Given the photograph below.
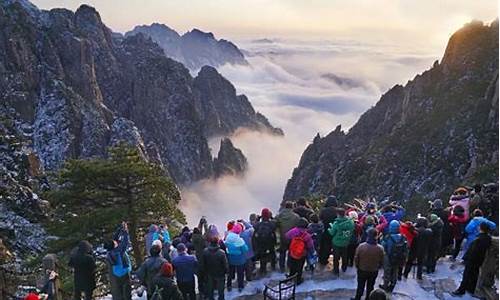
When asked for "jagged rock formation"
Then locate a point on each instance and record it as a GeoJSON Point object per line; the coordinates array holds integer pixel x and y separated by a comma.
{"type": "Point", "coordinates": [230, 160]}
{"type": "Point", "coordinates": [194, 49]}
{"type": "Point", "coordinates": [83, 88]}
{"type": "Point", "coordinates": [223, 111]}
{"type": "Point", "coordinates": [421, 139]}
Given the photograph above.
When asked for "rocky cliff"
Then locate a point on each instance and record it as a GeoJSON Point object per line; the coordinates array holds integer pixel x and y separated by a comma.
{"type": "Point", "coordinates": [194, 49]}
{"type": "Point", "coordinates": [421, 139]}
{"type": "Point", "coordinates": [82, 88]}
{"type": "Point", "coordinates": [230, 160]}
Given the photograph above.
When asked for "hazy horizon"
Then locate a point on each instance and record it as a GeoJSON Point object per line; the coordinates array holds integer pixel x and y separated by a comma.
{"type": "Point", "coordinates": [399, 22]}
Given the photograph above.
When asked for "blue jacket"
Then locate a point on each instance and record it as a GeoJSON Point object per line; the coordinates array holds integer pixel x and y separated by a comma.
{"type": "Point", "coordinates": [118, 259]}
{"type": "Point", "coordinates": [472, 229]}
{"type": "Point", "coordinates": [391, 216]}
{"type": "Point", "coordinates": [393, 237]}
{"type": "Point", "coordinates": [185, 267]}
{"type": "Point", "coordinates": [236, 249]}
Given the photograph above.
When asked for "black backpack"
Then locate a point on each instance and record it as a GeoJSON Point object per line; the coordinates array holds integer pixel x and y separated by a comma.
{"type": "Point", "coordinates": [264, 234]}
{"type": "Point", "coordinates": [399, 251]}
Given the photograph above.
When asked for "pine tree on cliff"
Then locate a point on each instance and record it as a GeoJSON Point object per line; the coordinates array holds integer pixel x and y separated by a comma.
{"type": "Point", "coordinates": [98, 194]}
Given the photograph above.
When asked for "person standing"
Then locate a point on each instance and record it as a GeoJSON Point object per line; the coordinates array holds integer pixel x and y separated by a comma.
{"type": "Point", "coordinates": [151, 266]}
{"type": "Point", "coordinates": [286, 220]}
{"type": "Point", "coordinates": [341, 231]}
{"type": "Point", "coordinates": [327, 215]}
{"type": "Point", "coordinates": [303, 209]}
{"type": "Point", "coordinates": [264, 241]}
{"type": "Point", "coordinates": [457, 221]}
{"type": "Point", "coordinates": [474, 258]}
{"type": "Point", "coordinates": [472, 228]}
{"type": "Point", "coordinates": [164, 284]}
{"type": "Point", "coordinates": [368, 259]}
{"type": "Point", "coordinates": [119, 264]}
{"type": "Point", "coordinates": [301, 244]}
{"type": "Point", "coordinates": [247, 235]}
{"type": "Point", "coordinates": [355, 238]}
{"type": "Point", "coordinates": [83, 263]}
{"type": "Point", "coordinates": [421, 242]}
{"type": "Point", "coordinates": [185, 266]}
{"type": "Point", "coordinates": [236, 256]}
{"type": "Point", "coordinates": [436, 225]}
{"type": "Point", "coordinates": [215, 267]}
{"type": "Point", "coordinates": [396, 253]}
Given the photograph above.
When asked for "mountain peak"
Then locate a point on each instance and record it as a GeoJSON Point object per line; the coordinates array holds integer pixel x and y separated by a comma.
{"type": "Point", "coordinates": [199, 33]}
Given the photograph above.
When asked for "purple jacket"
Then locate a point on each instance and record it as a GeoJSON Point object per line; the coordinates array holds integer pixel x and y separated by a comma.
{"type": "Point", "coordinates": [296, 231]}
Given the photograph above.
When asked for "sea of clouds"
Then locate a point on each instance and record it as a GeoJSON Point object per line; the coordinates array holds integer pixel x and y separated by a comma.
{"type": "Point", "coordinates": [305, 88]}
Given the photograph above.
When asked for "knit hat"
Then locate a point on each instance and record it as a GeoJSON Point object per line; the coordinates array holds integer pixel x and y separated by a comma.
{"type": "Point", "coordinates": [230, 225]}
{"type": "Point", "coordinates": [157, 243]}
{"type": "Point", "coordinates": [213, 232]}
{"type": "Point", "coordinates": [167, 270]}
{"type": "Point", "coordinates": [181, 247]}
{"type": "Point", "coordinates": [237, 228]}
{"type": "Point", "coordinates": [369, 220]}
{"type": "Point", "coordinates": [422, 222]}
{"type": "Point", "coordinates": [477, 213]}
{"type": "Point", "coordinates": [353, 215]}
{"type": "Point", "coordinates": [266, 214]}
{"type": "Point", "coordinates": [433, 218]}
{"type": "Point", "coordinates": [438, 203]}
{"type": "Point", "coordinates": [331, 201]}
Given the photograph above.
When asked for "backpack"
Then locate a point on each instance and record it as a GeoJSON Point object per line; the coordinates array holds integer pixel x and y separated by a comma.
{"type": "Point", "coordinates": [264, 234]}
{"type": "Point", "coordinates": [298, 246]}
{"type": "Point", "coordinates": [398, 252]}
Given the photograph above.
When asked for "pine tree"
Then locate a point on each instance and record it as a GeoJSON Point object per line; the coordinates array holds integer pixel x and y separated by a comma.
{"type": "Point", "coordinates": [96, 195]}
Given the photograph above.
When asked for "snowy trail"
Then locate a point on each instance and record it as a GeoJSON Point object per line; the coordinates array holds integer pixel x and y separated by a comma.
{"type": "Point", "coordinates": [322, 285]}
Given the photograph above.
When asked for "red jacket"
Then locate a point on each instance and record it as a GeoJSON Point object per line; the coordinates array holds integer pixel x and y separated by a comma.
{"type": "Point", "coordinates": [409, 232]}
{"type": "Point", "coordinates": [457, 224]}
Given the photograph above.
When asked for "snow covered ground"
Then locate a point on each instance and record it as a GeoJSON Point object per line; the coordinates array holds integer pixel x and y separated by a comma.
{"type": "Point", "coordinates": [322, 285]}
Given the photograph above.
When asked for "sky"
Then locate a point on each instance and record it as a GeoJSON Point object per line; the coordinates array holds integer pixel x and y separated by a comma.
{"type": "Point", "coordinates": [404, 21]}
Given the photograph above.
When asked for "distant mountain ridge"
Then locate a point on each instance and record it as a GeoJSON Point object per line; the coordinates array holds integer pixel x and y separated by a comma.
{"type": "Point", "coordinates": [420, 140]}
{"type": "Point", "coordinates": [194, 49]}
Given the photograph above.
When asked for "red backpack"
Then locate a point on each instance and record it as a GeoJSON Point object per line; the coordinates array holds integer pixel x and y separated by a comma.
{"type": "Point", "coordinates": [298, 246]}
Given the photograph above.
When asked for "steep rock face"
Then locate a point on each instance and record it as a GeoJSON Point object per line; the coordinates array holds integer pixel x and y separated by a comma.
{"type": "Point", "coordinates": [83, 88]}
{"type": "Point", "coordinates": [421, 139]}
{"type": "Point", "coordinates": [194, 49]}
{"type": "Point", "coordinates": [230, 160]}
{"type": "Point", "coordinates": [223, 111]}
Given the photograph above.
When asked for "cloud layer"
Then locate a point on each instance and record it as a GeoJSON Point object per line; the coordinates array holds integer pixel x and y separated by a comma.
{"type": "Point", "coordinates": [304, 87]}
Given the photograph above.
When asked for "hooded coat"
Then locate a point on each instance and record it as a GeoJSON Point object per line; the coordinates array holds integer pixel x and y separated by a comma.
{"type": "Point", "coordinates": [463, 201]}
{"type": "Point", "coordinates": [392, 238]}
{"type": "Point", "coordinates": [83, 262]}
{"type": "Point", "coordinates": [246, 235]}
{"type": "Point", "coordinates": [214, 261]}
{"type": "Point", "coordinates": [164, 282]}
{"type": "Point", "coordinates": [152, 235]}
{"type": "Point", "coordinates": [236, 249]}
{"type": "Point", "coordinates": [341, 231]}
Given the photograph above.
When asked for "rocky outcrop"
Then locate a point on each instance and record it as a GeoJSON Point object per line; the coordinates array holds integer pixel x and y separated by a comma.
{"type": "Point", "coordinates": [230, 160]}
{"type": "Point", "coordinates": [222, 111]}
{"type": "Point", "coordinates": [194, 49]}
{"type": "Point", "coordinates": [82, 89]}
{"type": "Point", "coordinates": [421, 139]}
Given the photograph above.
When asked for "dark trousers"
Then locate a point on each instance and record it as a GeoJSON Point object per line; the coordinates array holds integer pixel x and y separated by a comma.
{"type": "Point", "coordinates": [187, 290]}
{"type": "Point", "coordinates": [325, 248]}
{"type": "Point", "coordinates": [351, 250]}
{"type": "Point", "coordinates": [296, 266]}
{"type": "Point", "coordinates": [120, 287]}
{"type": "Point", "coordinates": [419, 263]}
{"type": "Point", "coordinates": [339, 253]}
{"type": "Point", "coordinates": [239, 271]}
{"type": "Point", "coordinates": [391, 273]}
{"type": "Point", "coordinates": [432, 257]}
{"type": "Point", "coordinates": [456, 248]}
{"type": "Point", "coordinates": [365, 279]}
{"type": "Point", "coordinates": [469, 279]}
{"type": "Point", "coordinates": [249, 268]}
{"type": "Point", "coordinates": [215, 283]}
{"type": "Point", "coordinates": [283, 254]}
{"type": "Point", "coordinates": [87, 294]}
